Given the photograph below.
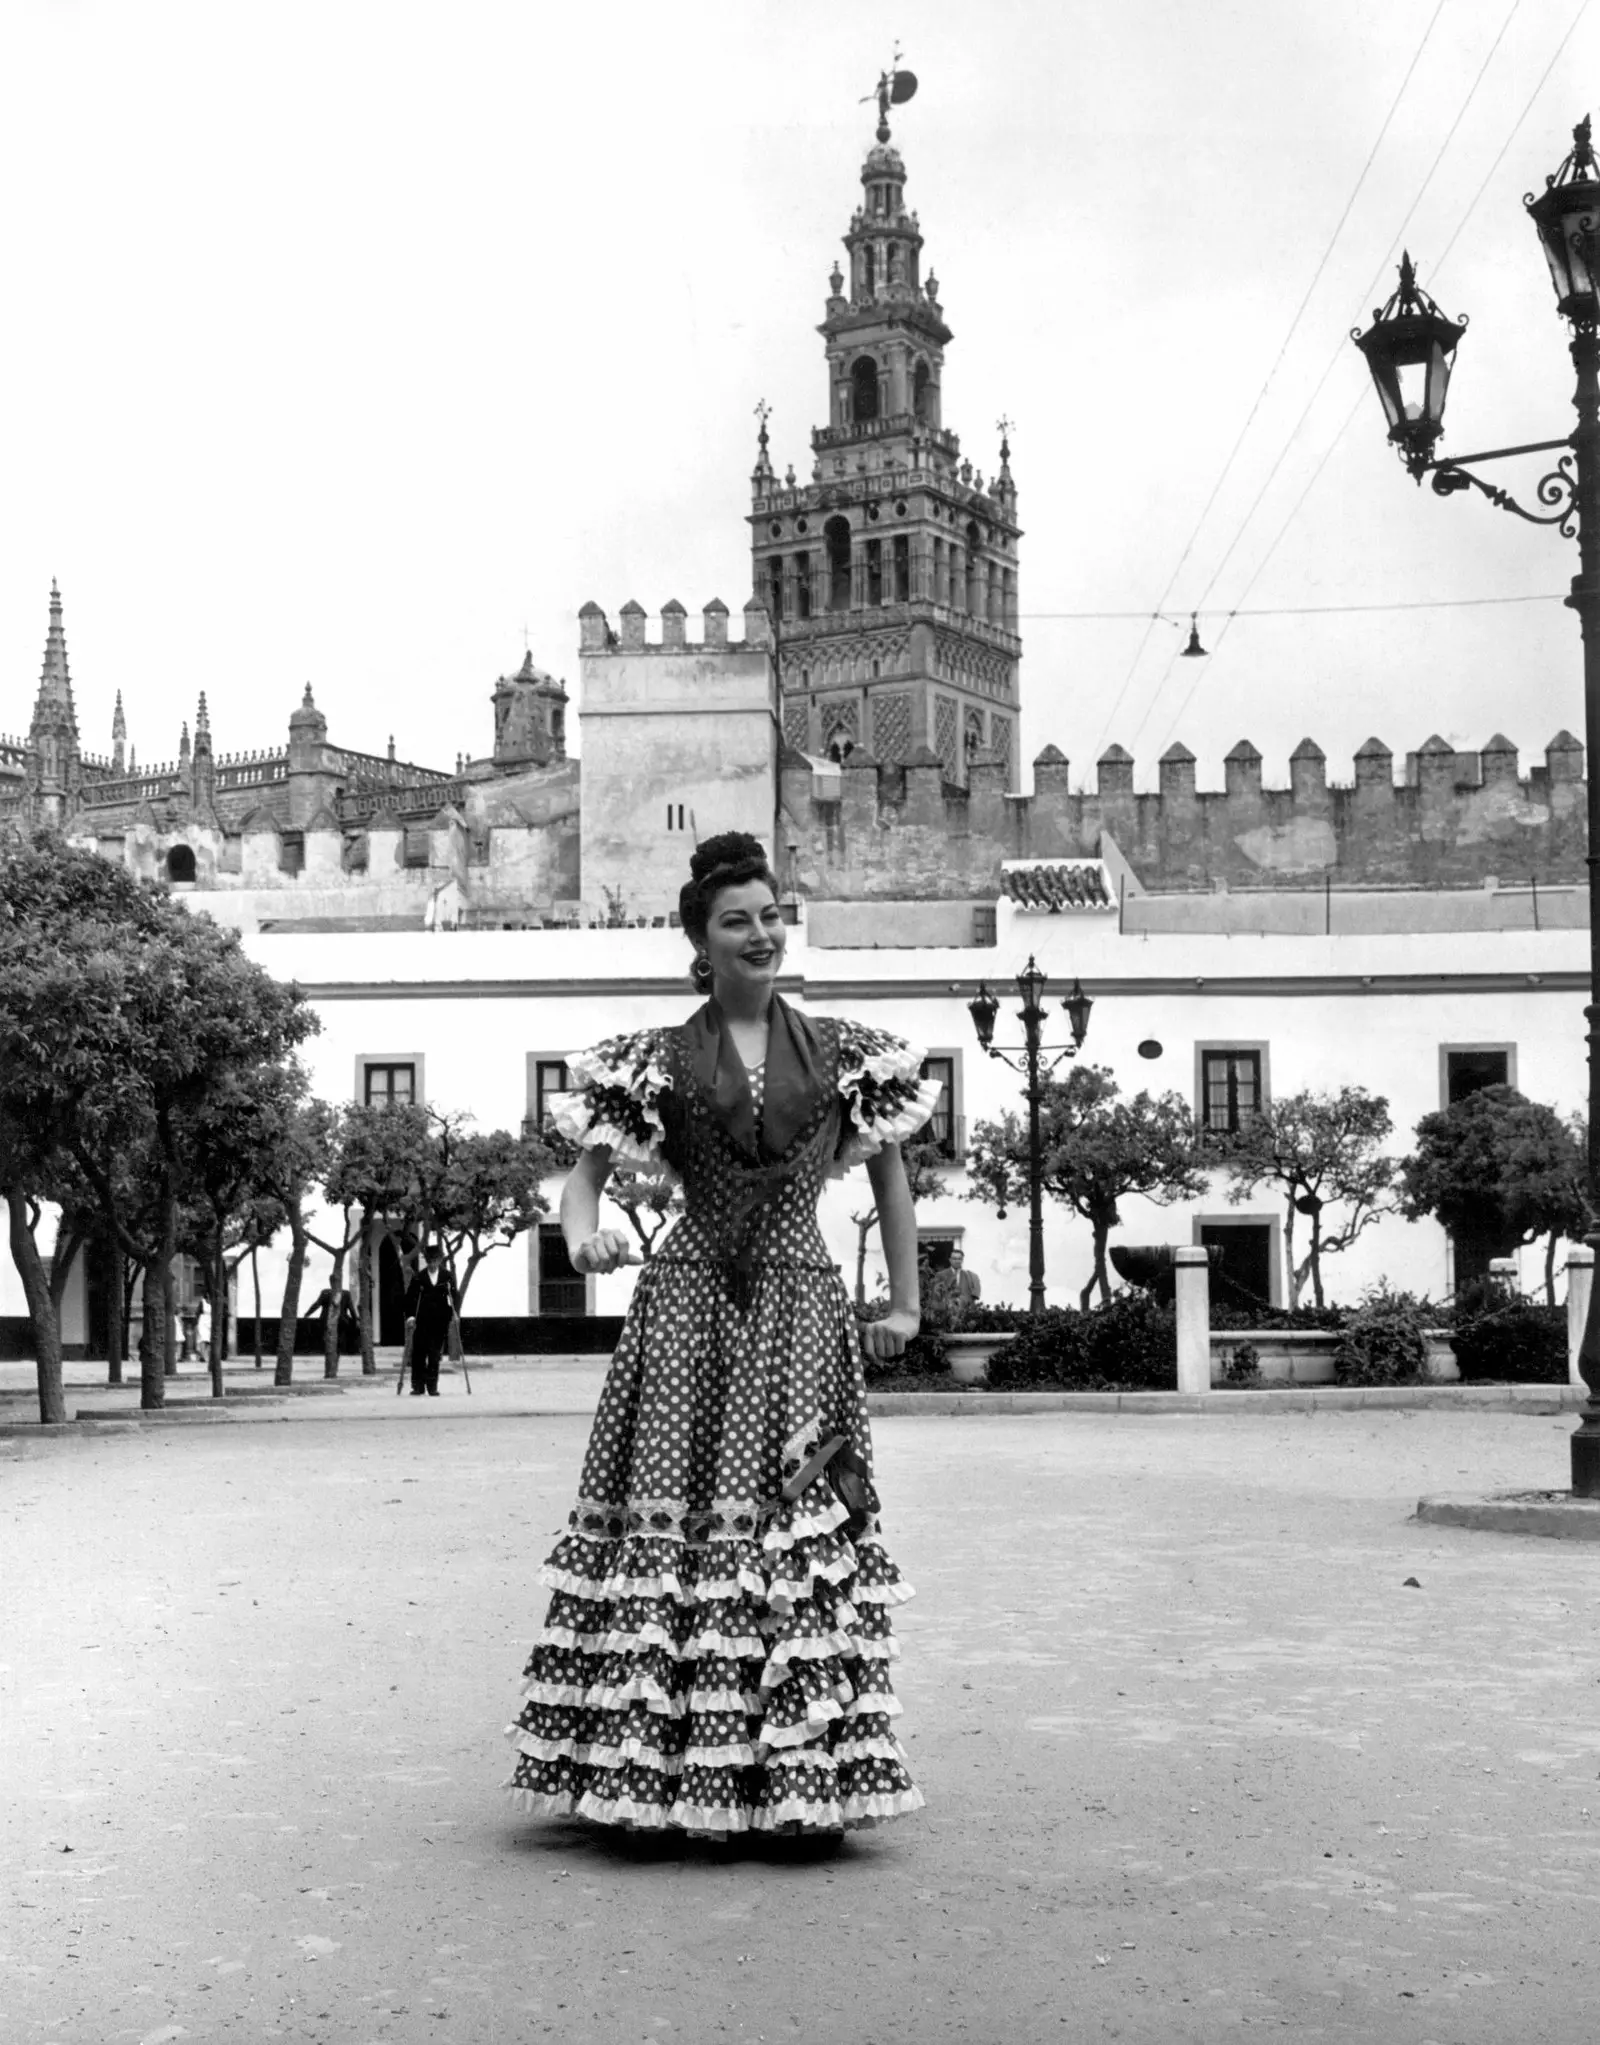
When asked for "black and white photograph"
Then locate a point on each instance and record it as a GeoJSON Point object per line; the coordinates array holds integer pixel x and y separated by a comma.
{"type": "Point", "coordinates": [799, 1085]}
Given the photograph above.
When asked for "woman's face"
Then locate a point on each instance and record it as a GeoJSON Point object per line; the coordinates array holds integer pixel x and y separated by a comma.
{"type": "Point", "coordinates": [745, 936]}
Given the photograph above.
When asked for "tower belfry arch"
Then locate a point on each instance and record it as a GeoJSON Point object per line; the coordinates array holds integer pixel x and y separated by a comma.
{"type": "Point", "coordinates": [892, 574]}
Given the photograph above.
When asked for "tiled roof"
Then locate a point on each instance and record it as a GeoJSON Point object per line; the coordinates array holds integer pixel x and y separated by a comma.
{"type": "Point", "coordinates": [1057, 884]}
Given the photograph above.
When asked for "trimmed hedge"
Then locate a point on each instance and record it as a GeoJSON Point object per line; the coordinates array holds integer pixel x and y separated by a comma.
{"type": "Point", "coordinates": [1130, 1345]}
{"type": "Point", "coordinates": [1515, 1341]}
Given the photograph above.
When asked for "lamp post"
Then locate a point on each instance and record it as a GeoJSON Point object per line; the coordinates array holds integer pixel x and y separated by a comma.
{"type": "Point", "coordinates": [1410, 350]}
{"type": "Point", "coordinates": [1036, 1061]}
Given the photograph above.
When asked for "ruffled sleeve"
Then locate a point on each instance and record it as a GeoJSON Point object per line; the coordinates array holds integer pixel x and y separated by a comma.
{"type": "Point", "coordinates": [885, 1097]}
{"type": "Point", "coordinates": [616, 1098]}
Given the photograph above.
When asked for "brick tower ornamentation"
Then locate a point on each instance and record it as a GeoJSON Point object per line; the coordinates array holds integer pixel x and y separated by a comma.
{"type": "Point", "coordinates": [891, 578]}
{"type": "Point", "coordinates": [54, 767]}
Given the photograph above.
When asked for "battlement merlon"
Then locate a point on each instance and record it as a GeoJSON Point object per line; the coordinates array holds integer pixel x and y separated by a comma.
{"type": "Point", "coordinates": [1455, 819]}
{"type": "Point", "coordinates": [595, 634]}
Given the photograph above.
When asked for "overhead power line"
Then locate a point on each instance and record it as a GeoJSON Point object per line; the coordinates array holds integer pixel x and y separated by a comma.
{"type": "Point", "coordinates": [1294, 510]}
{"type": "Point", "coordinates": [1227, 467]}
{"type": "Point", "coordinates": [1436, 603]}
{"type": "Point", "coordinates": [1339, 348]}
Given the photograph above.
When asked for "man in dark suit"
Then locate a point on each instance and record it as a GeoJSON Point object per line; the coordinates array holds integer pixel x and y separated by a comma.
{"type": "Point", "coordinates": [430, 1302]}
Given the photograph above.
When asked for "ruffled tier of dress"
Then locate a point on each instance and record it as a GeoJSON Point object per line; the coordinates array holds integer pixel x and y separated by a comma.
{"type": "Point", "coordinates": [718, 1685]}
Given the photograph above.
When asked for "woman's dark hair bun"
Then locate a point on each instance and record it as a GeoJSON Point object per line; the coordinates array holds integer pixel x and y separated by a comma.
{"type": "Point", "coordinates": [728, 848]}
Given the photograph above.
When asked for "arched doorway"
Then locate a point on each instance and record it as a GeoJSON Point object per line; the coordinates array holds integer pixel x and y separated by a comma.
{"type": "Point", "coordinates": [180, 863]}
{"type": "Point", "coordinates": [391, 1294]}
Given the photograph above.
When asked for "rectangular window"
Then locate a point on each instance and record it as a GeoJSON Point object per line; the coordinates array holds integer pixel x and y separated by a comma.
{"type": "Point", "coordinates": [549, 1077]}
{"type": "Point", "coordinates": [802, 585]}
{"type": "Point", "coordinates": [388, 1086]}
{"type": "Point", "coordinates": [1468, 1068]}
{"type": "Point", "coordinates": [902, 568]}
{"type": "Point", "coordinates": [1230, 1089]}
{"type": "Point", "coordinates": [874, 572]}
{"type": "Point", "coordinates": [562, 1290]}
{"type": "Point", "coordinates": [942, 1127]}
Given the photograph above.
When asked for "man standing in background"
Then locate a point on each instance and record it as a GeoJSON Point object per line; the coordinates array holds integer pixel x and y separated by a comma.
{"type": "Point", "coordinates": [430, 1304]}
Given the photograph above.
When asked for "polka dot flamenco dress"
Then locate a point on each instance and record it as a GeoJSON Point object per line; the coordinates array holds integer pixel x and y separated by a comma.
{"type": "Point", "coordinates": [715, 1657]}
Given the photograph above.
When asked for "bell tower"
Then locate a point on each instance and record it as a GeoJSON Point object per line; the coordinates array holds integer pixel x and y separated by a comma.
{"type": "Point", "coordinates": [891, 577]}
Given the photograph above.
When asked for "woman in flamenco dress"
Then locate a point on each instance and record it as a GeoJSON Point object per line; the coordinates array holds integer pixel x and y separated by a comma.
{"type": "Point", "coordinates": [715, 1656]}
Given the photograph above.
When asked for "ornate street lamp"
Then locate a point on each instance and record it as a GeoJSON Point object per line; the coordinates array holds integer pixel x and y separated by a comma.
{"type": "Point", "coordinates": [1409, 340]}
{"type": "Point", "coordinates": [1565, 214]}
{"type": "Point", "coordinates": [1035, 1062]}
{"type": "Point", "coordinates": [1410, 349]}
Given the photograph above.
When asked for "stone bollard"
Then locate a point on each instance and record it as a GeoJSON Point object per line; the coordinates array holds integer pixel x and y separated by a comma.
{"type": "Point", "coordinates": [1192, 1269]}
{"type": "Point", "coordinates": [1580, 1282]}
{"type": "Point", "coordinates": [1505, 1273]}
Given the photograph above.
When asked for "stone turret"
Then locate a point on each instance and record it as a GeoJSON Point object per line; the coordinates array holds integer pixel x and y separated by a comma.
{"type": "Point", "coordinates": [313, 776]}
{"type": "Point", "coordinates": [530, 718]}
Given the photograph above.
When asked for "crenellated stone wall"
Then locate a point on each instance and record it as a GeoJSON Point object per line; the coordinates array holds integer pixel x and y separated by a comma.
{"type": "Point", "coordinates": [1453, 820]}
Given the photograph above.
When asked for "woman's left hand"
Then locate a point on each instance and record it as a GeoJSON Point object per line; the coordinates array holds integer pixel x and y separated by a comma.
{"type": "Point", "coordinates": [889, 1336]}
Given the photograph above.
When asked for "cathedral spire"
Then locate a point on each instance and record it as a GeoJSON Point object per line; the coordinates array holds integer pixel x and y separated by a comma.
{"type": "Point", "coordinates": [119, 738]}
{"type": "Point", "coordinates": [54, 761]}
{"type": "Point", "coordinates": [55, 681]}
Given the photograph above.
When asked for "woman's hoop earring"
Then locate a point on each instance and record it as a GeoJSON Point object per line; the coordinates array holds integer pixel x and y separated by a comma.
{"type": "Point", "coordinates": [700, 973]}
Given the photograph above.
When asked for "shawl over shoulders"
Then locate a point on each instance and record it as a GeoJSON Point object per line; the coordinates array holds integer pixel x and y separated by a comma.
{"type": "Point", "coordinates": [619, 1085]}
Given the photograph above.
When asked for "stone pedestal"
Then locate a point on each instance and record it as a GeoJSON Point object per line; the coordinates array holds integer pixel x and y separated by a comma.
{"type": "Point", "coordinates": [1193, 1272]}
{"type": "Point", "coordinates": [1580, 1283]}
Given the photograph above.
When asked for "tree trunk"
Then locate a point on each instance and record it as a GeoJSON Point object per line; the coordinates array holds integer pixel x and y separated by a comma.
{"type": "Point", "coordinates": [1100, 1275]}
{"type": "Point", "coordinates": [255, 1279]}
{"type": "Point", "coordinates": [152, 1387]}
{"type": "Point", "coordinates": [116, 1325]}
{"type": "Point", "coordinates": [219, 1311]}
{"type": "Point", "coordinates": [863, 1231]}
{"type": "Point", "coordinates": [41, 1311]}
{"type": "Point", "coordinates": [369, 1360]}
{"type": "Point", "coordinates": [169, 1286]}
{"type": "Point", "coordinates": [288, 1319]}
{"type": "Point", "coordinates": [1316, 1260]}
{"type": "Point", "coordinates": [330, 1320]}
{"type": "Point", "coordinates": [1294, 1277]}
{"type": "Point", "coordinates": [1550, 1267]}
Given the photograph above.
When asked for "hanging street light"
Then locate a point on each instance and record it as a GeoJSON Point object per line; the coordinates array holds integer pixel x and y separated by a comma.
{"type": "Point", "coordinates": [1410, 350]}
{"type": "Point", "coordinates": [1036, 1061]}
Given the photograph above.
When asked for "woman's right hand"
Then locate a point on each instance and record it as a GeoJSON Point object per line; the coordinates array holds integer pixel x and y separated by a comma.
{"type": "Point", "coordinates": [606, 1250]}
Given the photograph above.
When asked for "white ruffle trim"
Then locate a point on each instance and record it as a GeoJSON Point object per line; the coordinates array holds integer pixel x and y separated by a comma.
{"type": "Point", "coordinates": [717, 1821]}
{"type": "Point", "coordinates": [869, 1135]}
{"type": "Point", "coordinates": [610, 1064]}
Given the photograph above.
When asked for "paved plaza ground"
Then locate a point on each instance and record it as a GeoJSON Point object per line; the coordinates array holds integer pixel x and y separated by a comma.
{"type": "Point", "coordinates": [1199, 1761]}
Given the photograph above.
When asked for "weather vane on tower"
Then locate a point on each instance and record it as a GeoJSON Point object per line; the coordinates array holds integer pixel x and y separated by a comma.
{"type": "Point", "coordinates": [894, 88]}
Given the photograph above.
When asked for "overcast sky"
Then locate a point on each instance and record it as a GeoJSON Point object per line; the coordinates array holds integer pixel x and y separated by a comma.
{"type": "Point", "coordinates": [348, 342]}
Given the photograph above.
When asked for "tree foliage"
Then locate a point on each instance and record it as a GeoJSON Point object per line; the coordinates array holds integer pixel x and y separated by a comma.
{"type": "Point", "coordinates": [1324, 1151]}
{"type": "Point", "coordinates": [121, 1015]}
{"type": "Point", "coordinates": [1096, 1149]}
{"type": "Point", "coordinates": [487, 1196]}
{"type": "Point", "coordinates": [1498, 1170]}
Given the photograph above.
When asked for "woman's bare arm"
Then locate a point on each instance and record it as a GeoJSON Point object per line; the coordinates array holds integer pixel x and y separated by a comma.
{"type": "Point", "coordinates": [591, 1247]}
{"type": "Point", "coordinates": [897, 1230]}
